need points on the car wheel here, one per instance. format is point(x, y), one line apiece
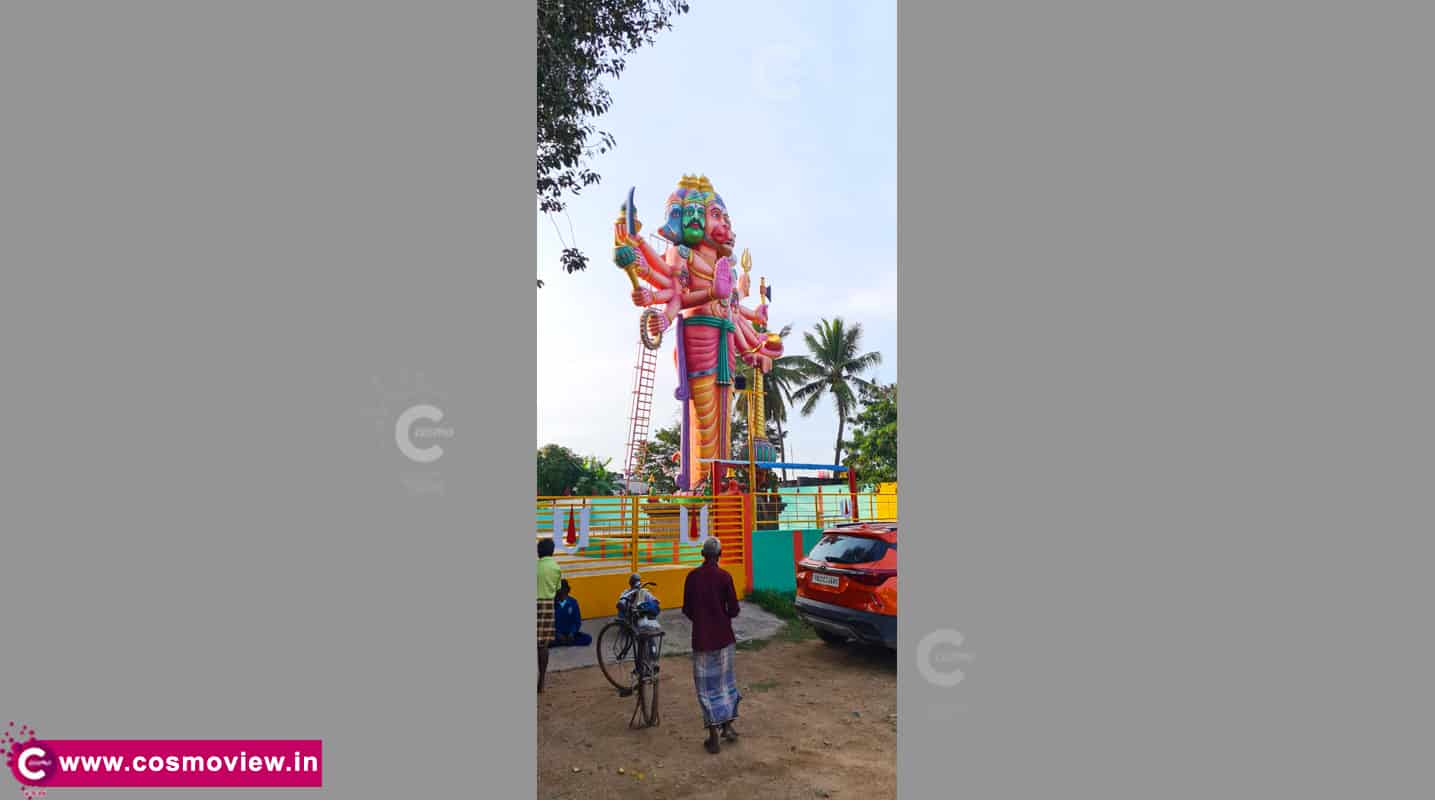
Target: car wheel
point(830, 637)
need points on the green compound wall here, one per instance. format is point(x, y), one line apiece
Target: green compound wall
point(772, 558)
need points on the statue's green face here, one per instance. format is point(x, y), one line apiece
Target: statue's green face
point(693, 214)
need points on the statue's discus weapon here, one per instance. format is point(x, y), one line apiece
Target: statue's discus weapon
point(648, 330)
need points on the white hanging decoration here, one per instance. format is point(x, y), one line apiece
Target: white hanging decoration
point(560, 532)
point(685, 526)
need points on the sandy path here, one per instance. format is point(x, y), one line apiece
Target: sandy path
point(817, 721)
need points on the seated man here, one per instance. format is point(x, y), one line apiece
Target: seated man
point(568, 620)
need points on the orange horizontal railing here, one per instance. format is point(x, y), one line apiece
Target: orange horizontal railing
point(644, 534)
point(631, 533)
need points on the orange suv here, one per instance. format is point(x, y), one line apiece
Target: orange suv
point(847, 585)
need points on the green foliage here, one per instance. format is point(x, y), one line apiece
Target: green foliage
point(558, 470)
point(580, 42)
point(596, 480)
point(561, 471)
point(833, 366)
point(872, 452)
point(658, 469)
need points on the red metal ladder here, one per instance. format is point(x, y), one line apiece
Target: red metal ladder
point(645, 372)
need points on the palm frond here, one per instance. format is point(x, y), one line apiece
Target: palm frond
point(811, 404)
point(807, 390)
point(865, 384)
point(863, 362)
point(813, 344)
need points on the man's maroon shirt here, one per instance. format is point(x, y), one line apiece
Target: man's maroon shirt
point(710, 601)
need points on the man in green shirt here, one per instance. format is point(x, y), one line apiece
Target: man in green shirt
point(550, 577)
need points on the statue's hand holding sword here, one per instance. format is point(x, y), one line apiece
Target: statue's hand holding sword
point(626, 253)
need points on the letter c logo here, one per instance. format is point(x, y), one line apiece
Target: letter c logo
point(22, 763)
point(403, 434)
point(927, 663)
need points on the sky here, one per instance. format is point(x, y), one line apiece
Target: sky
point(790, 109)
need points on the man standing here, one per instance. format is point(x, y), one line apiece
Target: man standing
point(710, 601)
point(550, 577)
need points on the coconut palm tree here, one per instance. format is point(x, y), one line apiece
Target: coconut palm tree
point(776, 394)
point(833, 367)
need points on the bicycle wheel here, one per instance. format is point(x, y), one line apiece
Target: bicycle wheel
point(648, 699)
point(616, 649)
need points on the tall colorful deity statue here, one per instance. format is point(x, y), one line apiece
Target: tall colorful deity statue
point(695, 289)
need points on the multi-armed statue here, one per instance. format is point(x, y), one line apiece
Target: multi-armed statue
point(694, 288)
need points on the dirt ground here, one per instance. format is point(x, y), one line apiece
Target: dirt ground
point(816, 720)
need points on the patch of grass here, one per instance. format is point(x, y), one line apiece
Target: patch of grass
point(763, 686)
point(798, 631)
point(779, 604)
point(752, 645)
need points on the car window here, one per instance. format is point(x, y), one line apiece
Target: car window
point(836, 548)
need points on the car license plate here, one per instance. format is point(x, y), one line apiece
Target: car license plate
point(832, 581)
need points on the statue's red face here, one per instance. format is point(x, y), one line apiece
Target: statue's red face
point(718, 226)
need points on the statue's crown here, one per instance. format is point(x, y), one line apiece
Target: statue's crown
point(698, 182)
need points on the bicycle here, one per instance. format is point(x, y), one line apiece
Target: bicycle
point(637, 637)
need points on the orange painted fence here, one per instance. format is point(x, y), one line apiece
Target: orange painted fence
point(641, 534)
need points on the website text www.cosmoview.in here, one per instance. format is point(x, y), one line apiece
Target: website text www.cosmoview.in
point(158, 764)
